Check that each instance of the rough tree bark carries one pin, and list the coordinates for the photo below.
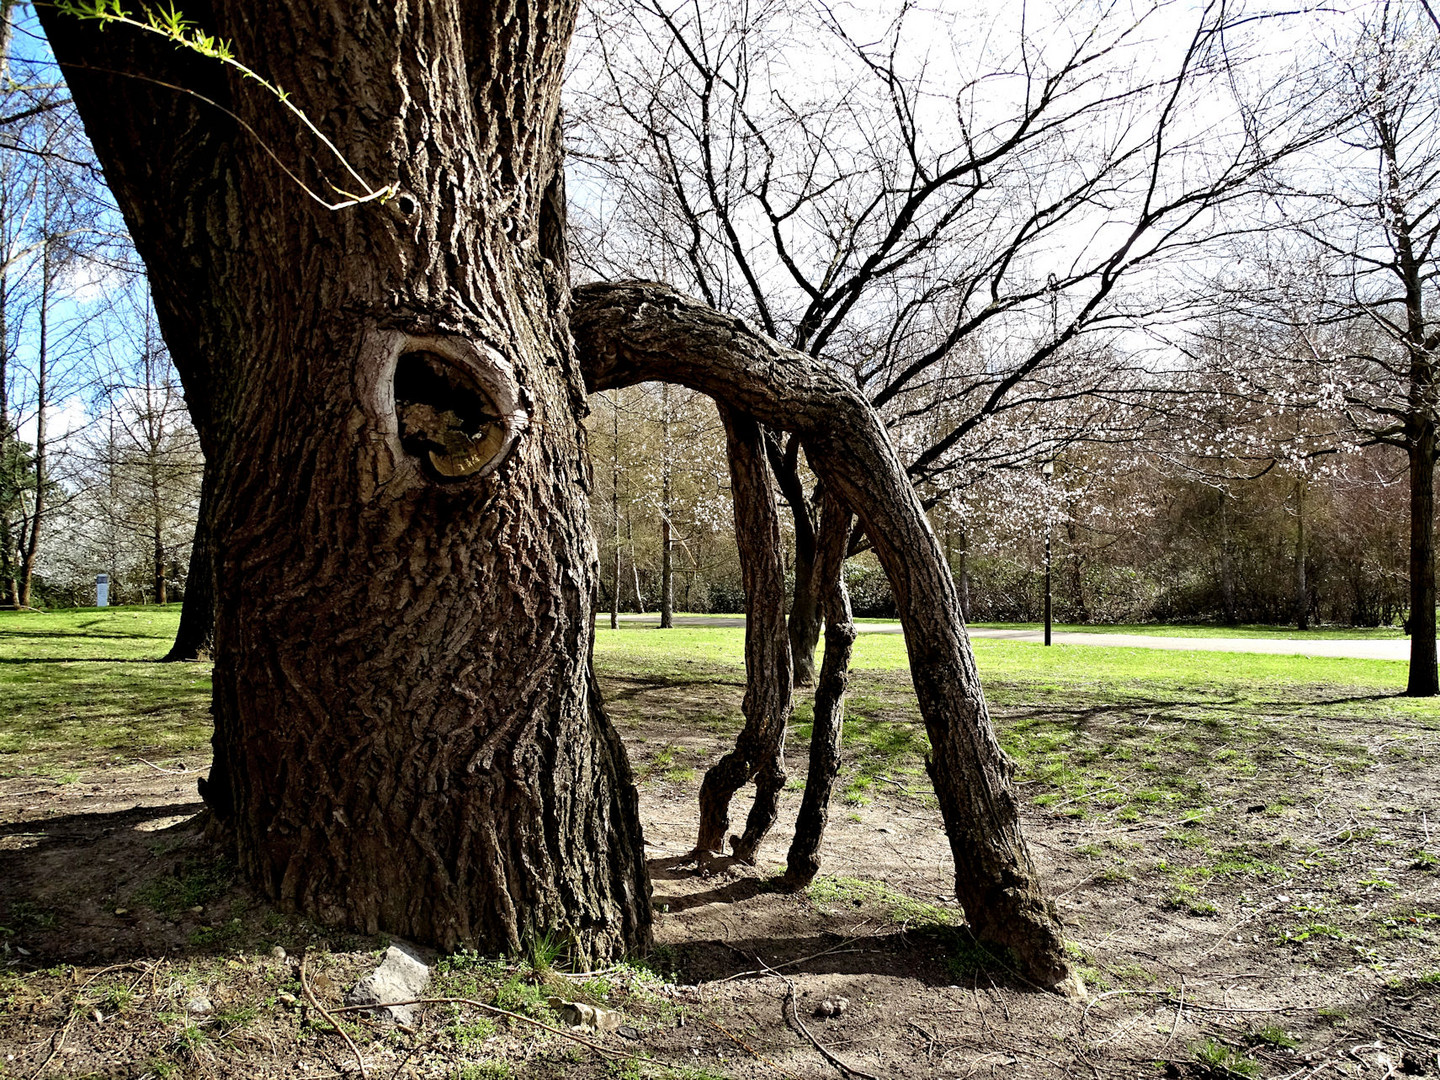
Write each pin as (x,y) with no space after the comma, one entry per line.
(637,331)
(408,733)
(832,544)
(759,749)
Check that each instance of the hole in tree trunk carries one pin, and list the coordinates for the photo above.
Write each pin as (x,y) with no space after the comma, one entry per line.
(446,419)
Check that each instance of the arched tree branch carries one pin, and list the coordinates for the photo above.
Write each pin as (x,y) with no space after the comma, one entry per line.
(641,331)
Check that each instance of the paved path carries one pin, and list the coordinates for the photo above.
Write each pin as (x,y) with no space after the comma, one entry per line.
(1359,649)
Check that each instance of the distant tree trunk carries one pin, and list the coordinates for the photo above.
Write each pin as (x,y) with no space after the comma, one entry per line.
(32,528)
(1424,679)
(759,750)
(832,542)
(1302,587)
(667,549)
(1077,572)
(962,577)
(634,564)
(157,534)
(195,638)
(408,733)
(1227,562)
(803,625)
(641,331)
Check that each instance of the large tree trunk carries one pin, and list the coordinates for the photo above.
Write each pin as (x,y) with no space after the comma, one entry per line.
(195,638)
(832,542)
(1424,679)
(408,734)
(759,750)
(640,331)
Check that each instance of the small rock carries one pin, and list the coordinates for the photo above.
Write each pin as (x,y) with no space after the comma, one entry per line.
(287,998)
(199,1005)
(628,1032)
(198,909)
(835,1006)
(577,1014)
(401,976)
(278,953)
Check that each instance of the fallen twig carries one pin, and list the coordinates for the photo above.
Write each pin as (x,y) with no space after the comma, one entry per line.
(315,1002)
(496,1010)
(1407,1031)
(58,1039)
(183,770)
(848,1070)
(1225,935)
(748,1049)
(1082,795)
(1179,1013)
(1084,1016)
(1232,1009)
(930,1047)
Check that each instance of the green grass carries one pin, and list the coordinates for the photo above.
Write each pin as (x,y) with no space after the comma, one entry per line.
(1207,630)
(82,688)
(1118,732)
(1222,1060)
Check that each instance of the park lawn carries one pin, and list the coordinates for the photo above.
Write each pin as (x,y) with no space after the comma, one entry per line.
(1206,630)
(1120,733)
(82,687)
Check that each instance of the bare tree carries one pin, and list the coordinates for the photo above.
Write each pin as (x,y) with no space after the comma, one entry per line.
(1370,204)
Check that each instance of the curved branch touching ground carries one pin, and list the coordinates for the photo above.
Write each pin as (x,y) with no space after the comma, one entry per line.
(832,541)
(759,751)
(634,332)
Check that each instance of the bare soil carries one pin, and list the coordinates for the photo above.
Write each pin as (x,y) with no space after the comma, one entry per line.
(1300,908)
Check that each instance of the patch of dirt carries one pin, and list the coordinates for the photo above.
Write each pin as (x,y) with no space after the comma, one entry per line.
(1295,910)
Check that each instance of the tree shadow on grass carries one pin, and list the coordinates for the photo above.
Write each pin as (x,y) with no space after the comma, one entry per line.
(71,827)
(640,685)
(28,660)
(73,635)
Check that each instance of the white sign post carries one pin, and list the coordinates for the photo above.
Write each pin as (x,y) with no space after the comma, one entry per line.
(102,590)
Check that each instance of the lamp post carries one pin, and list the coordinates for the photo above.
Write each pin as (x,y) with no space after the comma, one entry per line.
(1047,470)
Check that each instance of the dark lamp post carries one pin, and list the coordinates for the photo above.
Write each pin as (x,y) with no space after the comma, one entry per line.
(1047,470)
